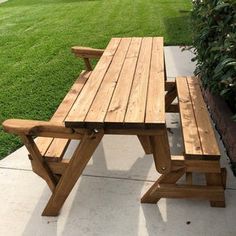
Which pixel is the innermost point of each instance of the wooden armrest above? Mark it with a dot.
(86, 52)
(38, 128)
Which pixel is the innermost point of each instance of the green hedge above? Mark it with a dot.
(214, 42)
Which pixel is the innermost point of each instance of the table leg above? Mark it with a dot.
(215, 179)
(38, 164)
(146, 143)
(152, 195)
(78, 162)
(161, 151)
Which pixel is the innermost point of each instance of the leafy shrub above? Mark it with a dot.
(214, 42)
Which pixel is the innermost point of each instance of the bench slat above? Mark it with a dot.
(198, 134)
(53, 149)
(191, 138)
(205, 130)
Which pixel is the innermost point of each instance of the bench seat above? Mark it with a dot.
(198, 134)
(53, 149)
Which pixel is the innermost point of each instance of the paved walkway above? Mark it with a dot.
(106, 201)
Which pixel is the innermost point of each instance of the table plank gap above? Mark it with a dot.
(117, 108)
(99, 107)
(82, 105)
(137, 102)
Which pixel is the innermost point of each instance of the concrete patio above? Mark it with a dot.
(106, 200)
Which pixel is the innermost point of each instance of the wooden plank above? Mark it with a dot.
(192, 142)
(86, 52)
(82, 105)
(87, 64)
(53, 148)
(58, 167)
(118, 105)
(215, 179)
(200, 166)
(129, 131)
(98, 110)
(70, 98)
(155, 110)
(213, 193)
(189, 178)
(38, 164)
(204, 126)
(57, 149)
(170, 178)
(74, 169)
(161, 152)
(43, 144)
(137, 102)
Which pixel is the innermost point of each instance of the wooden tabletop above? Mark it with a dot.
(125, 89)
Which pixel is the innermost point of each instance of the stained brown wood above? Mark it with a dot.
(206, 133)
(53, 149)
(213, 193)
(151, 196)
(86, 52)
(161, 152)
(119, 101)
(155, 106)
(98, 109)
(215, 179)
(199, 166)
(198, 134)
(137, 102)
(126, 88)
(192, 144)
(87, 64)
(125, 95)
(82, 104)
(189, 178)
(39, 165)
(75, 168)
(58, 167)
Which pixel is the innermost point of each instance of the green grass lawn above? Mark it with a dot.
(36, 66)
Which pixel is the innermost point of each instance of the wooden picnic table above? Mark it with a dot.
(126, 94)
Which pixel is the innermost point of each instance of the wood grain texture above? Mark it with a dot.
(155, 110)
(126, 89)
(82, 105)
(87, 52)
(98, 109)
(137, 102)
(191, 138)
(119, 102)
(204, 126)
(53, 149)
(161, 152)
(71, 174)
